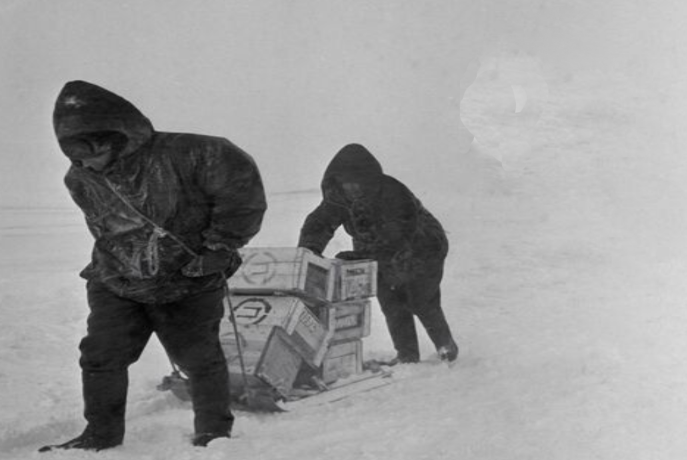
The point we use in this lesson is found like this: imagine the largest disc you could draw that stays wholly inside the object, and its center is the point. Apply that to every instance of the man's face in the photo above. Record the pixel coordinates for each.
(95, 152)
(100, 160)
(352, 190)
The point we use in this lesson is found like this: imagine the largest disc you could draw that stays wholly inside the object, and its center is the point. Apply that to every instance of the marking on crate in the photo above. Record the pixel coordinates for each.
(259, 271)
(309, 322)
(346, 321)
(252, 310)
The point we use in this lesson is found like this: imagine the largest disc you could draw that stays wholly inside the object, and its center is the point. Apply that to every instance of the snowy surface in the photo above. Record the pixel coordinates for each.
(566, 284)
(565, 287)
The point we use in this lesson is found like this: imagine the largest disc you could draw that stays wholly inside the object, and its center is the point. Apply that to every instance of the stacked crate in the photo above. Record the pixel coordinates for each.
(354, 283)
(295, 312)
(284, 271)
(272, 295)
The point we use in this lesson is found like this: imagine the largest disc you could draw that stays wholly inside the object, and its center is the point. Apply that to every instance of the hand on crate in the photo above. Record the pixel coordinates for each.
(351, 255)
(312, 248)
(212, 261)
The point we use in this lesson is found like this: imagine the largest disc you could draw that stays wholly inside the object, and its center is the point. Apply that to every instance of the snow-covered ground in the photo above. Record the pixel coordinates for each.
(566, 287)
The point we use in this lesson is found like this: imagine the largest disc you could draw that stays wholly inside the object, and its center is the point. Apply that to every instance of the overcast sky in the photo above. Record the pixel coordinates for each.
(291, 81)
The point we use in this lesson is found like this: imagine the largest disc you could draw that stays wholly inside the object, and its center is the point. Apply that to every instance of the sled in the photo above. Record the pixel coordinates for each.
(256, 396)
(266, 399)
(294, 330)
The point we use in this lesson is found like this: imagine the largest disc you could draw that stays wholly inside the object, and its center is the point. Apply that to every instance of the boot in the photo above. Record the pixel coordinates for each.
(104, 395)
(203, 439)
(85, 441)
(401, 358)
(448, 353)
(405, 358)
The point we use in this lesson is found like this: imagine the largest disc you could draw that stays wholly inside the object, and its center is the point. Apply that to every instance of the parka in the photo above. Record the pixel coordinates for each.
(387, 222)
(204, 190)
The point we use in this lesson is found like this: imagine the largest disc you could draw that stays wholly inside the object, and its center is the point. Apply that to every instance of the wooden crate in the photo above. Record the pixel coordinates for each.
(280, 362)
(256, 316)
(355, 279)
(342, 360)
(274, 361)
(351, 320)
(293, 271)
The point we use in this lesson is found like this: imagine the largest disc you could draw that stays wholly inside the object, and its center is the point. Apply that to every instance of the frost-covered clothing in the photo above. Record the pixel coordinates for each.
(157, 201)
(118, 331)
(203, 189)
(390, 225)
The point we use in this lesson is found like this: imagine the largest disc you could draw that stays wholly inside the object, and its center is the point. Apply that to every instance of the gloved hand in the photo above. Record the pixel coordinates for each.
(312, 249)
(351, 255)
(212, 261)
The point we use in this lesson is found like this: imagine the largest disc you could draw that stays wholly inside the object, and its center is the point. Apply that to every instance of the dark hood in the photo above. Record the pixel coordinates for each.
(83, 108)
(352, 163)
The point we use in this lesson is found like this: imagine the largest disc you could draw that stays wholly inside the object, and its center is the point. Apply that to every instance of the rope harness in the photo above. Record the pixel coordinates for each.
(152, 247)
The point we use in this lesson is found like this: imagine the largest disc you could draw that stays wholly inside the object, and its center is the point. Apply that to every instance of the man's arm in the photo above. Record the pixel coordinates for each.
(233, 188)
(231, 181)
(320, 225)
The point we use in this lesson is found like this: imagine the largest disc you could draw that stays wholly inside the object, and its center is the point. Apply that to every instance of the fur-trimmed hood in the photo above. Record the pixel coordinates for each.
(84, 109)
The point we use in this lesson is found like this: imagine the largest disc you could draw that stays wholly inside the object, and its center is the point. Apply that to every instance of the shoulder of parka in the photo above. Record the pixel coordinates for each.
(200, 150)
(395, 190)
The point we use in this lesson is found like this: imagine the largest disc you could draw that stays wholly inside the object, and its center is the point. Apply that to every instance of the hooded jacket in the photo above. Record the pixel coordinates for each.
(386, 222)
(204, 190)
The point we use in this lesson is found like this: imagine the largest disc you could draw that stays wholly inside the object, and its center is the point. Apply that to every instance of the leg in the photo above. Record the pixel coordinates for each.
(432, 318)
(189, 331)
(424, 295)
(399, 321)
(118, 331)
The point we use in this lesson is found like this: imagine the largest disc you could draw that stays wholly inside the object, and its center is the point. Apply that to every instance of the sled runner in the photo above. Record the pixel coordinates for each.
(340, 390)
(266, 399)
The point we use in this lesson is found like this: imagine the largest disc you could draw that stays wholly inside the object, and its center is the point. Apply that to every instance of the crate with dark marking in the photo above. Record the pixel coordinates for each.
(354, 279)
(290, 271)
(257, 315)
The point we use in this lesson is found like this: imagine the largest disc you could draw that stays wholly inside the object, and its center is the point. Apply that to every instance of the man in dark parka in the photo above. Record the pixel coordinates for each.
(390, 225)
(168, 212)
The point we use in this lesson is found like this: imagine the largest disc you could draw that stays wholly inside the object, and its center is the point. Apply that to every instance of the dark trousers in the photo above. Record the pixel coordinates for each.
(421, 297)
(118, 331)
